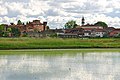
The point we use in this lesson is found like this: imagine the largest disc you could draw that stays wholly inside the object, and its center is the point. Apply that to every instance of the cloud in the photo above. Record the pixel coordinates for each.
(57, 12)
(31, 8)
(3, 10)
(25, 1)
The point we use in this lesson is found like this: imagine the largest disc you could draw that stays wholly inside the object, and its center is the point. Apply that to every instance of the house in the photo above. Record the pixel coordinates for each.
(91, 27)
(68, 35)
(46, 33)
(84, 32)
(72, 33)
(109, 29)
(89, 30)
(114, 33)
(74, 30)
(34, 34)
(98, 33)
(87, 34)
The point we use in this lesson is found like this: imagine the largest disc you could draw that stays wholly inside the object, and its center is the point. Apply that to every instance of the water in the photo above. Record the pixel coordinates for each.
(80, 66)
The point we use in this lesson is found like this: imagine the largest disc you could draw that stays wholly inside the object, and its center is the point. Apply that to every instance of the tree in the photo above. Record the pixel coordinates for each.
(48, 27)
(70, 24)
(1, 27)
(9, 30)
(27, 23)
(100, 23)
(15, 32)
(23, 23)
(1, 30)
(19, 22)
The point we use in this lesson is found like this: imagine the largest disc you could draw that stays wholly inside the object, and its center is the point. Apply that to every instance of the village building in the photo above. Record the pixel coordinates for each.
(38, 29)
(30, 28)
(90, 27)
(114, 33)
(36, 25)
(84, 31)
(89, 30)
(98, 33)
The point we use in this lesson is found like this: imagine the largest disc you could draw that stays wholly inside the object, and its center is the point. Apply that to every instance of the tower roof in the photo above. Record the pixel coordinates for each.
(83, 18)
(83, 21)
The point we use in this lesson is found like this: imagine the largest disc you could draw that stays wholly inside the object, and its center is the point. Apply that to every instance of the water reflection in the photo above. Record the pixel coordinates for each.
(90, 66)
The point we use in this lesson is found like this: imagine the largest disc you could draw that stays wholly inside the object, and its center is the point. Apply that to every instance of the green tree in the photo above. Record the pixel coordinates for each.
(15, 32)
(23, 23)
(1, 30)
(48, 27)
(100, 23)
(70, 24)
(27, 23)
(9, 30)
(5, 34)
(19, 22)
(1, 27)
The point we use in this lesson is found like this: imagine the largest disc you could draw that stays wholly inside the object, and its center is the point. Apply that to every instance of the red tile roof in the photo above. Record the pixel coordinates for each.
(99, 30)
(88, 29)
(114, 32)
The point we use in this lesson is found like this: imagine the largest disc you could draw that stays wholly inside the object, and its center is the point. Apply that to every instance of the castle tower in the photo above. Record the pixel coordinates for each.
(44, 25)
(83, 21)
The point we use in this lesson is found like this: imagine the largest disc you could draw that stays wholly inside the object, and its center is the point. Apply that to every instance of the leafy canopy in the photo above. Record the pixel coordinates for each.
(15, 32)
(100, 23)
(70, 24)
(19, 22)
(1, 27)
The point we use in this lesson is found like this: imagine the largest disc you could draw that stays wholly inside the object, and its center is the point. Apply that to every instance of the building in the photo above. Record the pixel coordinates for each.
(36, 25)
(32, 27)
(114, 33)
(98, 33)
(88, 30)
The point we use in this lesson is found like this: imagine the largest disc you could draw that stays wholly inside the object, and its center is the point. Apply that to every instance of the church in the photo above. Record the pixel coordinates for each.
(90, 26)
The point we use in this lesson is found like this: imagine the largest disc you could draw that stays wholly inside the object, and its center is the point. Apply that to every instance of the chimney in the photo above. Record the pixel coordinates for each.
(44, 26)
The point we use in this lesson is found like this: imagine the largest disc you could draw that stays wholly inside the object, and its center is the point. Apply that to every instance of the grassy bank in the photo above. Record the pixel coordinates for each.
(57, 43)
(55, 52)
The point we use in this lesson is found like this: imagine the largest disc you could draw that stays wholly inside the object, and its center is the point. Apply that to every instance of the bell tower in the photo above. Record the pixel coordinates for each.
(83, 21)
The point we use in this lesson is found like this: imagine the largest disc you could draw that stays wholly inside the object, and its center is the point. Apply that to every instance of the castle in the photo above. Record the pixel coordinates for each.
(34, 26)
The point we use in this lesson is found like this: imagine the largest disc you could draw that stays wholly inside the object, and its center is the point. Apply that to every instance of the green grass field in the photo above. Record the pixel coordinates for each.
(54, 52)
(57, 43)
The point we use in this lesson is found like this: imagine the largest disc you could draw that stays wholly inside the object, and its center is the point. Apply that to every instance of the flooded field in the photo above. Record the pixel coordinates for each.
(65, 66)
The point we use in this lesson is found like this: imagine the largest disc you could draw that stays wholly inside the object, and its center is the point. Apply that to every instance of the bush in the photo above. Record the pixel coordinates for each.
(53, 35)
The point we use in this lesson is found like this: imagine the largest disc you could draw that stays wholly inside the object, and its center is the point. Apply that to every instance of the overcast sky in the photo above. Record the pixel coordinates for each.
(57, 12)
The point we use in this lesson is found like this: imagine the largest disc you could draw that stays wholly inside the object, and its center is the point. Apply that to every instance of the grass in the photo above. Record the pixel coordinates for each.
(57, 43)
(55, 51)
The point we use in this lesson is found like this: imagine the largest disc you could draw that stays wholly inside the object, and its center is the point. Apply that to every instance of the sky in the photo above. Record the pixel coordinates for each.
(58, 12)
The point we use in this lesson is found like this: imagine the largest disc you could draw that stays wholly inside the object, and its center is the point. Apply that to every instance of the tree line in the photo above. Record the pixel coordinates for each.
(10, 31)
(72, 24)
